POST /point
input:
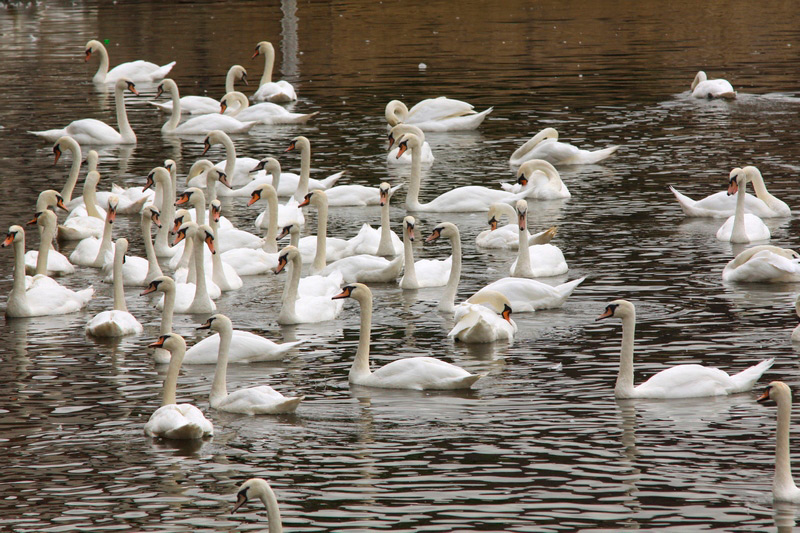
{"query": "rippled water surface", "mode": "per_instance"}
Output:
(540, 444)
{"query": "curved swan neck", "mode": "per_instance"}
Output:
(412, 198)
(269, 62)
(18, 290)
(292, 284)
(47, 232)
(219, 388)
(102, 69)
(105, 243)
(164, 185)
(90, 194)
(305, 171)
(320, 258)
(171, 381)
(361, 362)
(167, 311)
(547, 133)
(119, 289)
(176, 106)
(122, 115)
(74, 170)
(231, 77)
(270, 241)
(153, 268)
(624, 387)
(783, 481)
(385, 246)
(201, 291)
(230, 155)
(739, 232)
(448, 302)
(410, 269)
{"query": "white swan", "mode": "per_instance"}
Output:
(702, 87)
(52, 263)
(222, 274)
(42, 295)
(477, 319)
(722, 204)
(173, 420)
(681, 381)
(164, 190)
(93, 131)
(65, 142)
(193, 298)
(398, 131)
(436, 114)
(764, 264)
(528, 295)
(138, 70)
(541, 179)
(238, 169)
(449, 230)
(507, 237)
(288, 182)
(139, 271)
(231, 238)
(280, 92)
(425, 272)
(204, 105)
(320, 248)
(417, 373)
(254, 261)
(741, 227)
(167, 286)
(289, 212)
(539, 260)
(88, 219)
(366, 268)
(314, 304)
(262, 400)
(244, 347)
(783, 486)
(377, 241)
(199, 125)
(545, 145)
(118, 322)
(263, 113)
(258, 488)
(461, 199)
(94, 252)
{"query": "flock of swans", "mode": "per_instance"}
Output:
(209, 255)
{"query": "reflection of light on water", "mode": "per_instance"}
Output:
(289, 42)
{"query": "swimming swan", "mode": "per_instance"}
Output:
(199, 125)
(783, 486)
(425, 272)
(741, 227)
(702, 87)
(539, 260)
(763, 264)
(258, 488)
(545, 145)
(138, 70)
(118, 322)
(507, 237)
(280, 92)
(204, 105)
(311, 302)
(436, 114)
(478, 321)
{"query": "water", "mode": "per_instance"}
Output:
(540, 444)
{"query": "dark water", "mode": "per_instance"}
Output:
(540, 444)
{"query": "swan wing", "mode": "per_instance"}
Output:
(114, 323)
(421, 373)
(694, 381)
(138, 70)
(260, 400)
(438, 109)
(764, 266)
(246, 347)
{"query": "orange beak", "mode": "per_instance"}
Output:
(607, 313)
(223, 179)
(281, 264)
(177, 224)
(291, 147)
(184, 198)
(402, 149)
(210, 243)
(159, 343)
(156, 219)
(222, 107)
(391, 141)
(733, 186)
(255, 54)
(179, 237)
(522, 224)
(8, 240)
(57, 152)
(60, 204)
(493, 223)
(88, 55)
(112, 214)
(284, 232)
(254, 197)
(433, 236)
(506, 313)
(215, 214)
(522, 181)
(305, 201)
(206, 146)
(150, 288)
(33, 220)
(384, 197)
(344, 294)
(764, 397)
(149, 183)
(132, 88)
(410, 230)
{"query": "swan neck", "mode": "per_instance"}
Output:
(385, 246)
(167, 312)
(164, 186)
(230, 156)
(320, 258)
(45, 243)
(171, 381)
(739, 233)
(273, 511)
(153, 268)
(624, 386)
(90, 197)
(361, 362)
(269, 62)
(201, 291)
(448, 302)
(175, 117)
(105, 246)
(102, 68)
(122, 116)
(74, 171)
(119, 289)
(18, 288)
(305, 173)
(230, 80)
(523, 268)
(290, 290)
(410, 269)
(271, 241)
(415, 182)
(219, 389)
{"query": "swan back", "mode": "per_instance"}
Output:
(494, 300)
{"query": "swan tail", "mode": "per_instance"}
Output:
(289, 405)
(394, 189)
(162, 106)
(730, 95)
(162, 71)
(543, 237)
(248, 126)
(50, 135)
(686, 203)
(286, 346)
(185, 432)
(331, 180)
(599, 155)
(565, 289)
(744, 380)
(464, 382)
(305, 118)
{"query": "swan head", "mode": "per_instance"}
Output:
(216, 210)
(699, 78)
(522, 214)
(316, 198)
(51, 198)
(618, 309)
(357, 291)
(111, 214)
(737, 178)
(170, 165)
(385, 191)
(269, 164)
(396, 112)
(235, 97)
(526, 170)
(300, 143)
(408, 227)
(207, 234)
(170, 342)
(184, 231)
(264, 190)
(151, 213)
(289, 253)
(165, 85)
(125, 83)
(775, 392)
(68, 144)
(254, 488)
(399, 130)
(445, 229)
(494, 300)
(15, 233)
(121, 247)
(407, 141)
(91, 47)
(264, 47)
(218, 323)
(161, 284)
(239, 73)
(214, 137)
(193, 195)
(181, 215)
(158, 172)
(292, 228)
(44, 219)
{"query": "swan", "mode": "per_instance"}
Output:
(470, 198)
(722, 204)
(204, 105)
(796, 330)
(138, 271)
(288, 182)
(366, 268)
(173, 420)
(244, 347)
(94, 252)
(321, 247)
(199, 125)
(130, 200)
(186, 268)
(398, 131)
(539, 260)
(680, 381)
(263, 113)
(193, 298)
(541, 178)
(289, 212)
(702, 87)
(425, 272)
(254, 261)
(416, 373)
(118, 322)
(280, 92)
(741, 227)
(436, 114)
(195, 197)
(167, 286)
(545, 145)
(92, 131)
(231, 238)
(477, 320)
(160, 176)
(262, 400)
(43, 295)
(258, 488)
(138, 70)
(314, 304)
(764, 264)
(236, 168)
(52, 262)
(65, 142)
(783, 486)
(222, 274)
(449, 230)
(507, 237)
(86, 220)
(382, 241)
(528, 295)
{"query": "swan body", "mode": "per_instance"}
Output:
(92, 131)
(416, 373)
(199, 125)
(263, 113)
(263, 400)
(53, 263)
(528, 295)
(138, 271)
(449, 231)
(741, 227)
(477, 319)
(280, 92)
(40, 295)
(722, 204)
(507, 237)
(138, 70)
(702, 87)
(382, 241)
(285, 214)
(324, 247)
(65, 142)
(167, 286)
(173, 420)
(426, 155)
(87, 220)
(204, 105)
(165, 192)
(680, 381)
(783, 486)
(311, 302)
(287, 183)
(118, 322)
(764, 264)
(258, 488)
(541, 179)
(539, 260)
(436, 114)
(245, 347)
(425, 272)
(366, 268)
(545, 145)
(93, 252)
